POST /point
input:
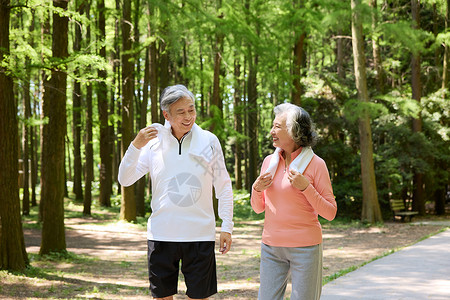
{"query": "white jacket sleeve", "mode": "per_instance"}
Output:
(133, 166)
(223, 189)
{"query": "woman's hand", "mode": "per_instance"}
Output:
(144, 136)
(262, 182)
(298, 180)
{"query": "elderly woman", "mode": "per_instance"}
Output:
(293, 189)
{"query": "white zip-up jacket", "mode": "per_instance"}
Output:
(183, 174)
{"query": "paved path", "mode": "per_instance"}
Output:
(421, 271)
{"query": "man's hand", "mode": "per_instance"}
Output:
(225, 242)
(144, 136)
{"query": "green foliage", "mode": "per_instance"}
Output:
(355, 109)
(264, 35)
(242, 207)
(413, 40)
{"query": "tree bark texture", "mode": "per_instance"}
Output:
(298, 65)
(13, 255)
(128, 207)
(76, 115)
(54, 132)
(237, 125)
(445, 72)
(416, 85)
(371, 208)
(105, 137)
(26, 146)
(140, 189)
(380, 77)
(89, 150)
(252, 121)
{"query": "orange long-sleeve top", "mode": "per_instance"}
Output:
(291, 215)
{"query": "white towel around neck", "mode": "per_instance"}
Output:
(201, 144)
(299, 164)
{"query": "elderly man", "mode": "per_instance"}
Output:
(185, 162)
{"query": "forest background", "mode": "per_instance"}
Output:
(79, 78)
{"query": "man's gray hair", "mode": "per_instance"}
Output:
(299, 124)
(172, 94)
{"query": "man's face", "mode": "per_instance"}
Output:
(181, 116)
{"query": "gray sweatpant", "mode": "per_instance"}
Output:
(304, 264)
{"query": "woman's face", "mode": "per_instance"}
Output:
(280, 135)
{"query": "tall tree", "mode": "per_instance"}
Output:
(89, 149)
(371, 208)
(153, 66)
(252, 94)
(445, 72)
(76, 115)
(102, 96)
(299, 55)
(128, 207)
(416, 86)
(54, 109)
(216, 99)
(380, 75)
(163, 51)
(26, 134)
(13, 255)
(237, 125)
(140, 188)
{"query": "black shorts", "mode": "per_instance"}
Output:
(198, 264)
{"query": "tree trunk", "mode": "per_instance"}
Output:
(416, 85)
(381, 77)
(89, 151)
(115, 105)
(371, 208)
(34, 160)
(26, 144)
(163, 51)
(140, 190)
(13, 255)
(89, 166)
(105, 138)
(128, 207)
(52, 170)
(252, 115)
(216, 99)
(237, 125)
(76, 113)
(298, 63)
(252, 121)
(153, 69)
(142, 113)
(445, 72)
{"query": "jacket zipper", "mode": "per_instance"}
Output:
(180, 142)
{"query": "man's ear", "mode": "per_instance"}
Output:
(166, 115)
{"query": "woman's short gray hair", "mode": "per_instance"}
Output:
(299, 124)
(172, 94)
